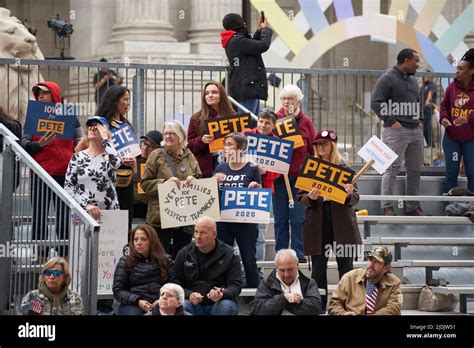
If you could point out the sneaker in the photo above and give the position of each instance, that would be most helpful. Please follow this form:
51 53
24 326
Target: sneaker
416 212
302 259
389 211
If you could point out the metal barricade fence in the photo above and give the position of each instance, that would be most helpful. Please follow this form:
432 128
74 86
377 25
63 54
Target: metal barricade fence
39 220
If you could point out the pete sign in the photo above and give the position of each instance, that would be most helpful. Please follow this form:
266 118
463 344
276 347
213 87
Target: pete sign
287 128
376 150
42 118
327 177
221 126
124 140
245 205
272 154
183 205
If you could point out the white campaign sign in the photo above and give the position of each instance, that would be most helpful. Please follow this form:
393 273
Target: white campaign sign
182 206
376 150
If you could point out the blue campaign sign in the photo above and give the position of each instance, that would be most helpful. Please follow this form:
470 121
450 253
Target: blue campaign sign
273 154
245 205
49 117
124 140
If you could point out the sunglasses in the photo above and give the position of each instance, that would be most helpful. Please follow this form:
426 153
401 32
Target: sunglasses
55 272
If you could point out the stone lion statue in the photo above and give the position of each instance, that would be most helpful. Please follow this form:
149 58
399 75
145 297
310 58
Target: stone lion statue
17 43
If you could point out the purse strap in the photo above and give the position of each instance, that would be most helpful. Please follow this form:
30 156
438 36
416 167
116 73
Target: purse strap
170 162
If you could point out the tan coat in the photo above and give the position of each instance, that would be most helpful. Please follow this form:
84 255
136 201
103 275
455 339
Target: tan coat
349 295
157 172
344 222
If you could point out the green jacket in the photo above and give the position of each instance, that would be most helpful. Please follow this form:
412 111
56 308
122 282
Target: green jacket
157 171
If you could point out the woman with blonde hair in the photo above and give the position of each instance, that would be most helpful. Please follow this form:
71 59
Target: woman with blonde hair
174 163
328 223
53 296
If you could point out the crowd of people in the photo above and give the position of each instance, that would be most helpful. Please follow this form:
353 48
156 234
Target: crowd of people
178 271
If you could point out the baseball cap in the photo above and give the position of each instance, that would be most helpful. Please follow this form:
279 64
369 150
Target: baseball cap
37 88
153 136
325 135
381 254
99 119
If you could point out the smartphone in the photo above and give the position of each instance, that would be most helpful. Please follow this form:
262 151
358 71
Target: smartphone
262 15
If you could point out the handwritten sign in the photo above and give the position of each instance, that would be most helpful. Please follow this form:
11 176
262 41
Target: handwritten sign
327 177
220 127
375 149
245 205
48 117
184 205
287 128
273 154
124 140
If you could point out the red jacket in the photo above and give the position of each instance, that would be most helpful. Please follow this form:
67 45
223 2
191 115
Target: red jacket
268 177
197 147
55 157
308 133
459 101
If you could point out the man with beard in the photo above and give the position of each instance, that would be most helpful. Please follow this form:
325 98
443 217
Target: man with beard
369 291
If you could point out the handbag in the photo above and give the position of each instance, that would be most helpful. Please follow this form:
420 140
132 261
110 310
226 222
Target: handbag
124 177
430 301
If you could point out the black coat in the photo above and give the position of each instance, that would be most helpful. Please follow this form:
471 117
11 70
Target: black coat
143 282
247 75
270 300
221 269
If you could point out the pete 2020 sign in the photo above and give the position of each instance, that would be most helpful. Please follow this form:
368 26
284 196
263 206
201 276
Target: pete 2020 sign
124 140
246 205
220 127
327 177
273 154
183 205
50 117
287 128
376 150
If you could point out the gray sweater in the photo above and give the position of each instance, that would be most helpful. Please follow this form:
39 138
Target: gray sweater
396 98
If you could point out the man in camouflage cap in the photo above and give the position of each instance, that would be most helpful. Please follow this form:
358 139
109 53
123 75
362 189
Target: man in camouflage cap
373 290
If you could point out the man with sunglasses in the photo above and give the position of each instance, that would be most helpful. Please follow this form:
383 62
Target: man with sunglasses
373 290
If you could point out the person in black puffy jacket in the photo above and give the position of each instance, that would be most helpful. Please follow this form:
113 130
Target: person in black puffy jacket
138 277
247 75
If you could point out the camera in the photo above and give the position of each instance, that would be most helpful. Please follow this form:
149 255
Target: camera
61 27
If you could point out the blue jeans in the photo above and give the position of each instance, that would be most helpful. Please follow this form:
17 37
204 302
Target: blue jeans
252 104
222 307
286 217
260 247
129 310
453 152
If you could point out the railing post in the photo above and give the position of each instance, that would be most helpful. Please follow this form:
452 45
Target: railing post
138 102
304 83
6 230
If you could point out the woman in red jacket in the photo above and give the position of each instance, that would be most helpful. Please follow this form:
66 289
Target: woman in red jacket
214 103
457 116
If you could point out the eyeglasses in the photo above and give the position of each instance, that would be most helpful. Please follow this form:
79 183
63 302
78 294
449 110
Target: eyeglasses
169 134
55 272
92 127
287 98
150 145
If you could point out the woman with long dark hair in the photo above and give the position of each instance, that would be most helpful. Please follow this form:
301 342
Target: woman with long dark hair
139 276
214 103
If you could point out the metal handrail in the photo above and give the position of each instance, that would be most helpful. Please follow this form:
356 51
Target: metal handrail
416 198
236 103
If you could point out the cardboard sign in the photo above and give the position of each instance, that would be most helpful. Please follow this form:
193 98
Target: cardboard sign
327 177
273 154
113 237
141 172
376 150
184 205
48 117
220 127
246 205
124 140
287 128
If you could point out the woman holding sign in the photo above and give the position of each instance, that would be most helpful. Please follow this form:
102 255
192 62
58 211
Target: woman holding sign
174 163
238 172
214 103
328 224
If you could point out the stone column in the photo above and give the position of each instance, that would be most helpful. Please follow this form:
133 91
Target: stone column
142 20
206 19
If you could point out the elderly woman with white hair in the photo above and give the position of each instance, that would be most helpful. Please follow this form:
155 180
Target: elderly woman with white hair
171 301
291 98
174 163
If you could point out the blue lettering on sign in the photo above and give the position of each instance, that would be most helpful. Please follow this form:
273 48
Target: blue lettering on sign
123 136
245 198
274 148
